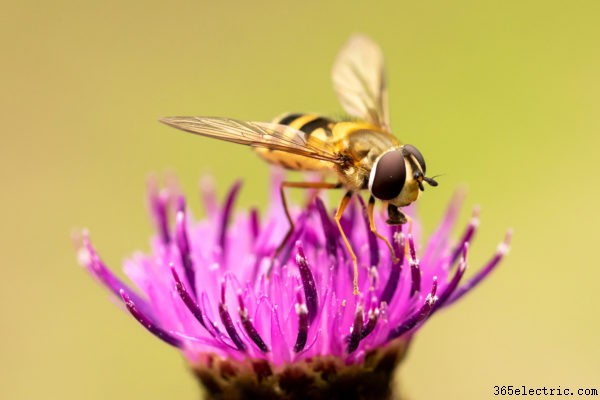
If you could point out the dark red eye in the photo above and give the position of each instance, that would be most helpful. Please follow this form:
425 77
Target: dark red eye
388 175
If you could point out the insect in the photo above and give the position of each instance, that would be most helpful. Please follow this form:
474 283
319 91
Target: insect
360 151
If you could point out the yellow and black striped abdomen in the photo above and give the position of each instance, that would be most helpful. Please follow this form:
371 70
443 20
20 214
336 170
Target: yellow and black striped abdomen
312 126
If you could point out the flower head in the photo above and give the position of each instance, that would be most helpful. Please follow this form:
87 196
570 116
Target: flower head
213 289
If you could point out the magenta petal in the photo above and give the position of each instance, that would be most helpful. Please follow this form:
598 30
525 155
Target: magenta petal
483 272
188 300
147 323
183 244
249 327
92 261
226 215
414 319
308 282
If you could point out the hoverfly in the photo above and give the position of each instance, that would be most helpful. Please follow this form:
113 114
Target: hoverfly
360 150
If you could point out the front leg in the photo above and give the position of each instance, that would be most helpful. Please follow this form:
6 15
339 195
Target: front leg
338 217
370 209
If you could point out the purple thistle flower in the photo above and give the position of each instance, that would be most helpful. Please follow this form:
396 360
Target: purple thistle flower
297 331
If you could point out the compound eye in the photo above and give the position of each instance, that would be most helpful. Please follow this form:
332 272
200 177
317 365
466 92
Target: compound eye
412 150
388 175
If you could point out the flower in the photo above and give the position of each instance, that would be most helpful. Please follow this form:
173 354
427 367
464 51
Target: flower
257 325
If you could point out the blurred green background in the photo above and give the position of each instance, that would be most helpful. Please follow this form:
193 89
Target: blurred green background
503 96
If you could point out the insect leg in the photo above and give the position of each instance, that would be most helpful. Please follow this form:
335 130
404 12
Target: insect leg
370 209
303 185
338 217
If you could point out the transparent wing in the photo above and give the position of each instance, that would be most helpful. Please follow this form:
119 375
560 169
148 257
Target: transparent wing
257 134
359 80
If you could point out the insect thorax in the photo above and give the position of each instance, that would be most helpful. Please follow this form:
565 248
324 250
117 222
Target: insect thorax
361 143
